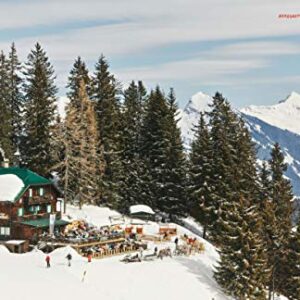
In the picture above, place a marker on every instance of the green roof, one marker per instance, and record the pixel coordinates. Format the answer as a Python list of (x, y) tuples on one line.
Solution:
[(28, 178), (43, 223)]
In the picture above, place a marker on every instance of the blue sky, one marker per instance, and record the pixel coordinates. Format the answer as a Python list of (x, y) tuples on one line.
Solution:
[(240, 48)]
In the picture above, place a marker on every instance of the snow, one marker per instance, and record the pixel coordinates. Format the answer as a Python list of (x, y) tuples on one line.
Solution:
[(10, 186), (62, 102), (190, 115), (15, 242), (140, 208), (285, 114), (98, 216), (171, 278)]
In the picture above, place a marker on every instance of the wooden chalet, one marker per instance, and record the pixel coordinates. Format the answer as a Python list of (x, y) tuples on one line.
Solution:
[(26, 202)]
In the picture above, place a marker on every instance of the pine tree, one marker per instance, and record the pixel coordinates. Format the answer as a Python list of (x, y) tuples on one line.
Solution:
[(154, 143), (15, 97), (281, 197), (131, 162), (40, 98), (84, 166), (79, 72), (224, 124), (6, 129), (242, 266), (107, 106), (292, 286), (162, 154), (200, 176), (174, 201)]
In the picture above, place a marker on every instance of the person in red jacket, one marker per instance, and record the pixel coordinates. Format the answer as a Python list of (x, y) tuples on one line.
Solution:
[(48, 261)]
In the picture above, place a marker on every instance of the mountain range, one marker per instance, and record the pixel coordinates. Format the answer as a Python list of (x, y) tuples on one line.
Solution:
[(267, 124)]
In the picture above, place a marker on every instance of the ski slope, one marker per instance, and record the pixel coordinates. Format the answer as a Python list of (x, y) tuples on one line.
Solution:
[(25, 276)]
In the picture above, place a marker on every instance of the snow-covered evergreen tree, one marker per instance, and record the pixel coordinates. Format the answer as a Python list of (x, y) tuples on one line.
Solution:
[(281, 197), (200, 176), (40, 108), (15, 97), (105, 95), (175, 199), (79, 72), (6, 130), (131, 162), (162, 153), (292, 284), (242, 267)]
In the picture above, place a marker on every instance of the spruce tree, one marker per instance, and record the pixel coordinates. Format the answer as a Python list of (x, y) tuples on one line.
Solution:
[(200, 176), (292, 285), (281, 197), (175, 202), (6, 129), (224, 124), (154, 144), (131, 185), (242, 266), (162, 154), (15, 97), (79, 72), (105, 95), (40, 108)]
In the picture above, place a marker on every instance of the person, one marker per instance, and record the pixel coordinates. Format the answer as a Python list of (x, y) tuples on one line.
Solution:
[(48, 261), (155, 251), (176, 242), (141, 250), (89, 257), (69, 258)]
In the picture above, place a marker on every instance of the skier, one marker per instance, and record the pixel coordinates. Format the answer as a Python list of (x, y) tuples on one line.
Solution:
[(48, 261), (69, 258)]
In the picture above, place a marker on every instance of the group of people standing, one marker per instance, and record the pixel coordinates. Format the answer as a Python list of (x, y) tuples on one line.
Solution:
[(68, 257)]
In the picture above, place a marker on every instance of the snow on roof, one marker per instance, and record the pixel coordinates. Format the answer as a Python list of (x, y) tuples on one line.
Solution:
[(10, 186), (15, 242), (140, 208)]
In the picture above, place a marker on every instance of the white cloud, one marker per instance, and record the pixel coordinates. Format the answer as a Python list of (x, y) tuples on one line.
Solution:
[(257, 49), (200, 69), (146, 25)]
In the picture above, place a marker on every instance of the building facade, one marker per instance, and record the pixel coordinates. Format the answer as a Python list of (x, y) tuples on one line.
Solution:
[(27, 201)]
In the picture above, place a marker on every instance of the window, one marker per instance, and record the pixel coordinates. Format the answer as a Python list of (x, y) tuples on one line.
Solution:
[(20, 212), (30, 193), (37, 208), (49, 208), (4, 231), (41, 191), (58, 206)]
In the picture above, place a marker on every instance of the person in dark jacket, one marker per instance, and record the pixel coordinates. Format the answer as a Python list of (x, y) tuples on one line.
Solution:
[(69, 258), (48, 261), (176, 242)]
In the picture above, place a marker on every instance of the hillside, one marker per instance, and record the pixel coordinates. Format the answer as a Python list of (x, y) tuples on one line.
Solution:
[(171, 278)]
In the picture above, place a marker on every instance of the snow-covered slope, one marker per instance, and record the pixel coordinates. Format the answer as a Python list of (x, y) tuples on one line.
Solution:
[(171, 278), (284, 115), (268, 124)]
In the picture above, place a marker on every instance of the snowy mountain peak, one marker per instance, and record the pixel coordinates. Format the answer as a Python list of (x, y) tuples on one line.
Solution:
[(284, 115), (198, 102), (293, 99)]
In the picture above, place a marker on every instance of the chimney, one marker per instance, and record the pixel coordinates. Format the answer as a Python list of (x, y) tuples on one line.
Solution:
[(5, 163)]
